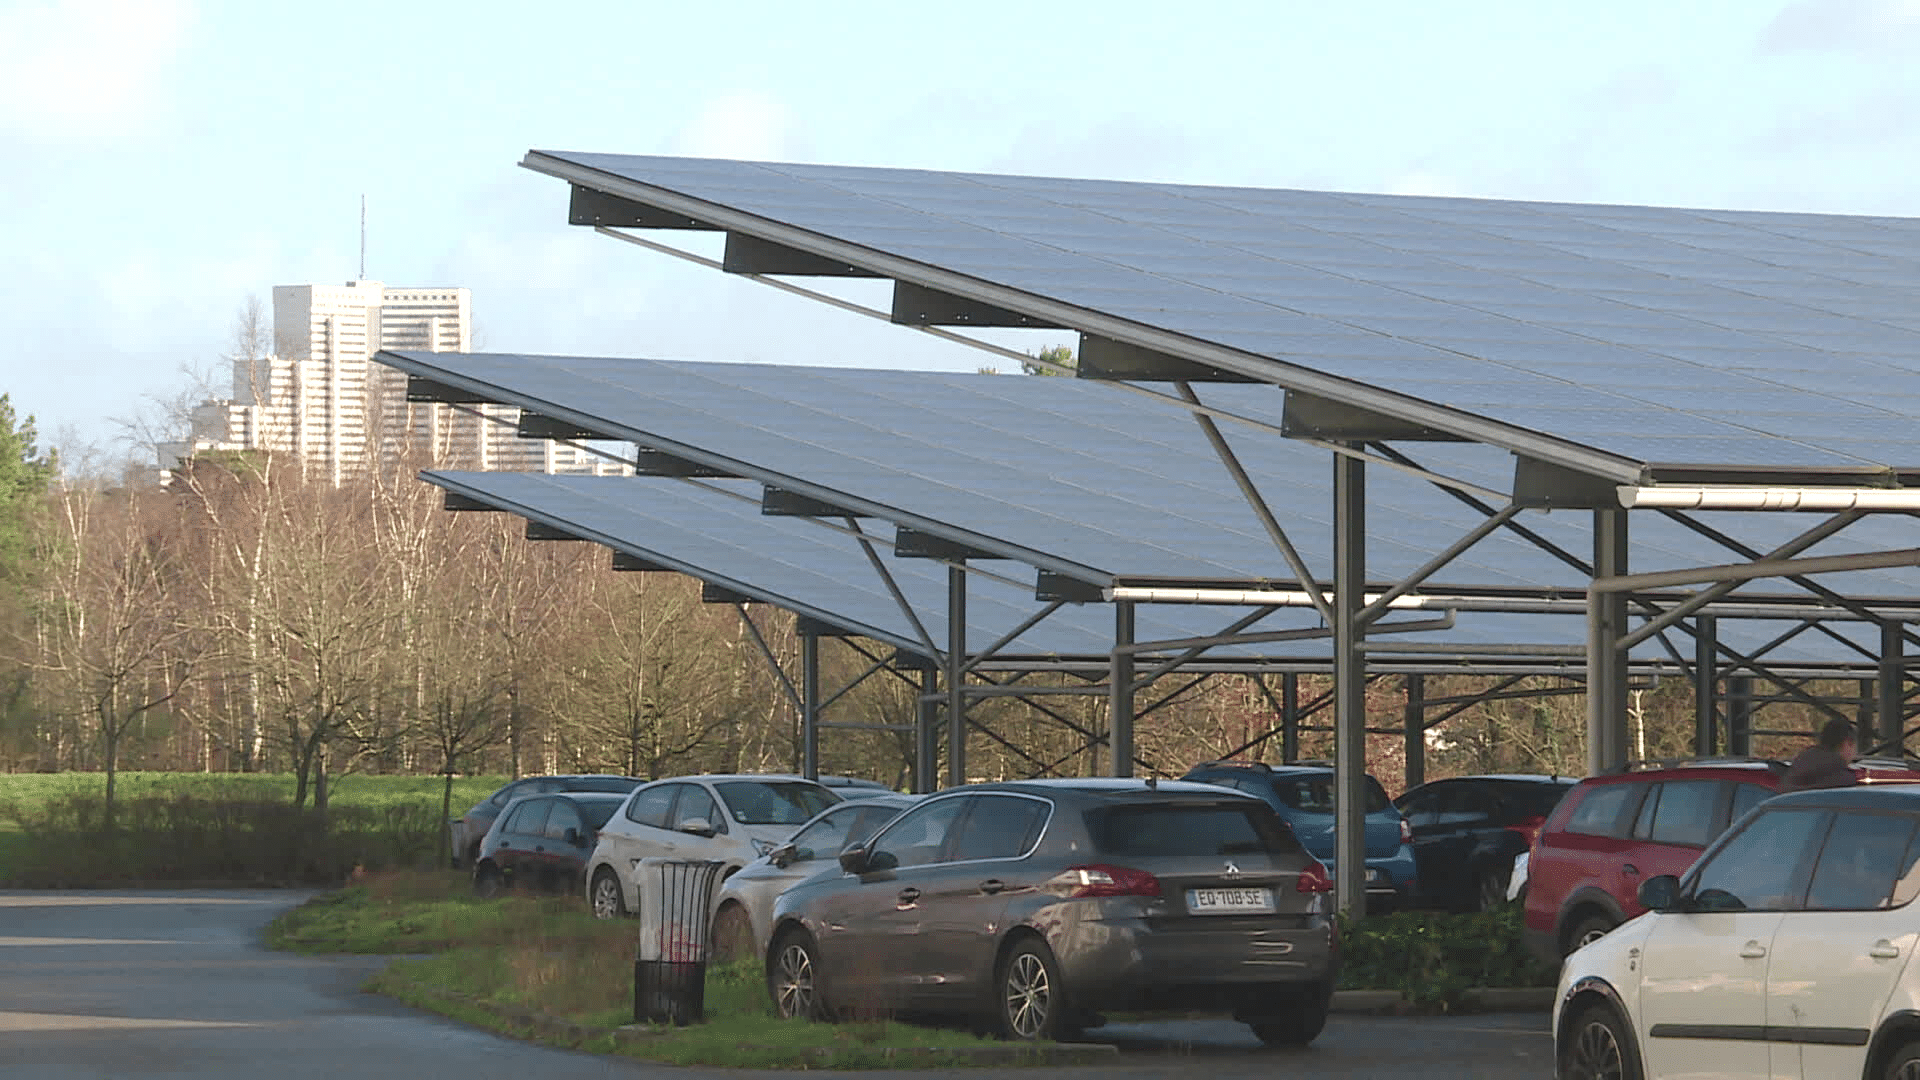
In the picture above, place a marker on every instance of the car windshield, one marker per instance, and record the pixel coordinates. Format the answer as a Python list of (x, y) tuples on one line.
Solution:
[(1195, 829), (774, 802), (1314, 794)]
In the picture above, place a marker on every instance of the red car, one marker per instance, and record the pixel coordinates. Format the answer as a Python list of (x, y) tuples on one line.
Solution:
[(1614, 831)]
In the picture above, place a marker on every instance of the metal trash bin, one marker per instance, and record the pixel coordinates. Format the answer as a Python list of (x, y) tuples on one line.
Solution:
[(670, 966)]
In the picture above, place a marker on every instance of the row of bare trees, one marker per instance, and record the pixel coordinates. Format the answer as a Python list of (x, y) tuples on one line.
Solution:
[(246, 617)]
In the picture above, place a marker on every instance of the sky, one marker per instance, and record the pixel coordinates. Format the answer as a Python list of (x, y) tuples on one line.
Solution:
[(164, 161)]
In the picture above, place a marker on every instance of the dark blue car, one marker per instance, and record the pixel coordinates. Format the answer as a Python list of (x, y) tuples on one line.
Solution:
[(1303, 795)]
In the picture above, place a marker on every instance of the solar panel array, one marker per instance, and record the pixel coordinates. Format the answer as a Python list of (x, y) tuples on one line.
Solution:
[(1051, 471), (1769, 342)]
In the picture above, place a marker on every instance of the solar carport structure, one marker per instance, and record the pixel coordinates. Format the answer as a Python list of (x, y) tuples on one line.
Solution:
[(1642, 367)]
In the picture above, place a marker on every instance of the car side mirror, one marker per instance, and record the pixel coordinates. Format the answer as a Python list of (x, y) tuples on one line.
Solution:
[(783, 856), (854, 859), (1660, 893), (697, 827)]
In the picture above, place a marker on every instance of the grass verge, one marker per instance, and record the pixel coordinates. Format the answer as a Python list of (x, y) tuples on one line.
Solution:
[(545, 969)]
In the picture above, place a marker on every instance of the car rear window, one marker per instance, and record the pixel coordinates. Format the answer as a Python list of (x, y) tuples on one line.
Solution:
[(1195, 829), (597, 812), (776, 802), (1599, 809), (1314, 794), (617, 784)]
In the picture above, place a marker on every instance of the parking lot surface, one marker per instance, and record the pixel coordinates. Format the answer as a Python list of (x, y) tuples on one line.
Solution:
[(176, 985)]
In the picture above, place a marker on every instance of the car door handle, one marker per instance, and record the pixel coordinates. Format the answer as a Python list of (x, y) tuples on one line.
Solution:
[(1630, 869), (992, 885), (1884, 950), (908, 896), (1753, 950)]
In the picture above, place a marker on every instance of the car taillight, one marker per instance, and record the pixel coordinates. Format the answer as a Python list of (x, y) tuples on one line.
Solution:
[(1406, 832), (1313, 879), (1528, 828), (1103, 880)]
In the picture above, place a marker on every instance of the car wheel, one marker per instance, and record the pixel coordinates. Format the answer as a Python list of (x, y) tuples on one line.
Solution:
[(1030, 1001), (1492, 891), (1904, 1064), (1597, 1046), (1300, 1024), (793, 978), (487, 882), (1589, 929), (608, 898), (732, 934)]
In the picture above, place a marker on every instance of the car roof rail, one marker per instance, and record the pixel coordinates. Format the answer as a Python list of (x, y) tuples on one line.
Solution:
[(1230, 763), (1318, 763), (1649, 764), (1887, 761)]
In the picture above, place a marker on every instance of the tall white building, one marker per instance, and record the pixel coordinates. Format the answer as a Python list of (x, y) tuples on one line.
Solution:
[(319, 397)]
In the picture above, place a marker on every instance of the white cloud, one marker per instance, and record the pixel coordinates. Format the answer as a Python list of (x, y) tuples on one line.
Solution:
[(742, 124), (85, 67), (1843, 26)]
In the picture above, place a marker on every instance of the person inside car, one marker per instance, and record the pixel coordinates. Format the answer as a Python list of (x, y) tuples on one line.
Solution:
[(1827, 763)]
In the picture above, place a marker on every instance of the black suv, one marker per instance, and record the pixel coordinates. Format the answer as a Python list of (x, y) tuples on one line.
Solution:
[(1467, 830)]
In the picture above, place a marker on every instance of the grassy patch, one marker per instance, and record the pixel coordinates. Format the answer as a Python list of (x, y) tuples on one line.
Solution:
[(489, 960), (1435, 958)]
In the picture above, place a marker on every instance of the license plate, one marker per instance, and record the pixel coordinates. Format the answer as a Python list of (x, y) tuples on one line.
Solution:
[(1229, 901), (1374, 874)]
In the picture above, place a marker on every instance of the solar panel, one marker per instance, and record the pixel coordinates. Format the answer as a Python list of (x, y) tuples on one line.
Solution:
[(1685, 295)]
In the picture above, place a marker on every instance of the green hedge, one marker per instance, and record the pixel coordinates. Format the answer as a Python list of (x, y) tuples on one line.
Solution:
[(1432, 957), (63, 842)]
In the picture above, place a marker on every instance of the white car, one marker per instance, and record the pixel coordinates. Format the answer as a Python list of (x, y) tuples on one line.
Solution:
[(729, 818), (743, 906), (1785, 951)]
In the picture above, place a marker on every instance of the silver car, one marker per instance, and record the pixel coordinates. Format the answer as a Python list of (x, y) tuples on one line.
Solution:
[(743, 908), (1043, 902)]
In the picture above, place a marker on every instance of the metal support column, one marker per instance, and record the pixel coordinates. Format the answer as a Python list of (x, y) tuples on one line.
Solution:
[(926, 733), (810, 705), (1606, 661), (1120, 691), (1349, 684), (1706, 686), (1740, 715), (1416, 730), (1891, 689), (1864, 725), (956, 676), (1290, 717)]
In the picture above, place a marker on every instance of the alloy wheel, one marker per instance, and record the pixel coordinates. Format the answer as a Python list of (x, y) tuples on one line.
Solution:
[(1595, 1054), (607, 901), (793, 986), (1029, 996)]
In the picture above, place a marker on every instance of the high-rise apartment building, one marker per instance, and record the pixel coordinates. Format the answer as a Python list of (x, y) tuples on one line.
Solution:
[(320, 398)]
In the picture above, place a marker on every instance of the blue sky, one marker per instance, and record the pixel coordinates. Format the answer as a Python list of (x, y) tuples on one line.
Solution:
[(161, 161)]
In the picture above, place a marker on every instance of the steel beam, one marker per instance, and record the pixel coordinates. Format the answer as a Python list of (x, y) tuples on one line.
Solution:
[(1706, 686), (1350, 685), (956, 659), (1120, 691), (810, 706), (1606, 660), (1289, 717), (1890, 688), (1416, 730), (926, 743), (1740, 715)]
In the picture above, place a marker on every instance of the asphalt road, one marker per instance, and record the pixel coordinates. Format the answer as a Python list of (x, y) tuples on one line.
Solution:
[(175, 984)]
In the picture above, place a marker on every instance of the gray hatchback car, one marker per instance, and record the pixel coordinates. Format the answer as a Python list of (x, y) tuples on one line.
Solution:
[(1036, 904)]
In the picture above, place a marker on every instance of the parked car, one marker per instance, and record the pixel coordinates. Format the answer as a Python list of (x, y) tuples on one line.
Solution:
[(1302, 794), (1787, 950), (467, 829), (1034, 905), (541, 842), (853, 787), (1468, 829), (743, 907), (1614, 831), (730, 818)]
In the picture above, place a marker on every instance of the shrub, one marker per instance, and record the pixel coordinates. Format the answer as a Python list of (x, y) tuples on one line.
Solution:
[(1433, 958)]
